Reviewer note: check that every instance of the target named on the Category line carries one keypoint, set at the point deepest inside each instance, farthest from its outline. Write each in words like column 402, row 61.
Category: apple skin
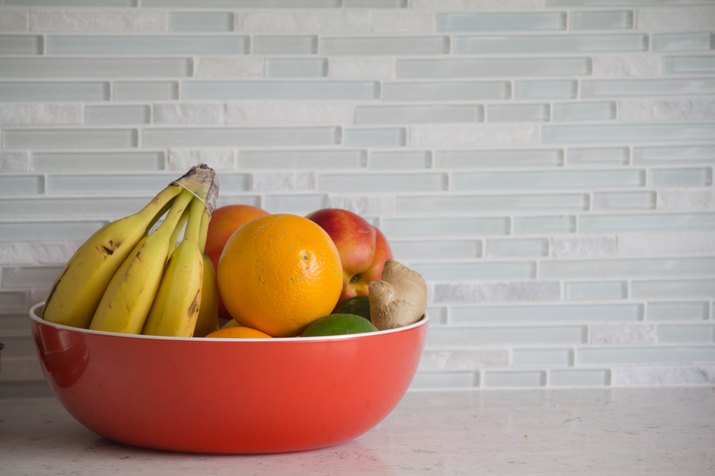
column 363, row 248
column 224, row 221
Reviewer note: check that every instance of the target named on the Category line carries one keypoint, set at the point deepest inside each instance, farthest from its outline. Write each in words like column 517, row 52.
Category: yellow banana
column 207, row 321
column 176, row 307
column 127, row 300
column 79, row 288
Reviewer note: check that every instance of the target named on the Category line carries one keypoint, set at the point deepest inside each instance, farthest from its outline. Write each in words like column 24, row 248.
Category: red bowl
column 228, row 395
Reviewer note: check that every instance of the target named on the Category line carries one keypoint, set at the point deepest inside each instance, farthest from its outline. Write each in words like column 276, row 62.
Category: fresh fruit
column 130, row 294
column 399, row 298
column 175, row 309
column 208, row 321
column 359, row 305
column 279, row 272
column 240, row 332
column 79, row 288
column 338, row 324
column 363, row 248
column 224, row 221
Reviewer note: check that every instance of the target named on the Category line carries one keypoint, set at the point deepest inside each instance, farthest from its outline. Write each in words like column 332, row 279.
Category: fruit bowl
column 228, row 395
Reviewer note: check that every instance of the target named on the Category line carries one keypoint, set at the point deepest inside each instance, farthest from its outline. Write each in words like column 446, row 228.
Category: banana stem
column 158, row 205
column 205, row 218
column 193, row 227
column 178, row 205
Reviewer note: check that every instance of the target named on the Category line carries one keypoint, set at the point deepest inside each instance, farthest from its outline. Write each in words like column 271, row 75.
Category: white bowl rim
column 35, row 317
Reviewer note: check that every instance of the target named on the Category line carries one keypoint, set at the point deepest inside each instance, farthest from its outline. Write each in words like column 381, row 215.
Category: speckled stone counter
column 610, row 432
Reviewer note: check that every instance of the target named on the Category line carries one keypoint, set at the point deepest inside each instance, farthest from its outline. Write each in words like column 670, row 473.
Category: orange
column 278, row 273
column 240, row 332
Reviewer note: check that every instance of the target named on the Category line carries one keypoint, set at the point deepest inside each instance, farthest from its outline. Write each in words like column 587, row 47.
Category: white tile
column 14, row 20
column 622, row 334
column 363, row 205
column 21, row 185
column 420, row 91
column 39, row 113
column 145, row 90
column 23, row 233
column 382, row 182
column 399, row 159
column 298, row 204
column 518, row 113
column 290, row 21
column 456, row 136
column 14, row 161
column 624, row 200
column 100, row 161
column 597, row 156
column 514, row 379
column 92, row 184
column 454, row 204
column 112, row 115
column 478, row 5
column 697, row 108
column 544, row 224
column 470, row 270
column 645, row 355
column 20, row 45
column 104, row 21
column 301, row 159
column 631, row 132
column 25, row 276
column 549, row 44
column 235, row 136
column 691, row 18
column 361, row 68
column 596, row 290
column 389, row 45
column 626, row 65
column 548, row 357
column 694, row 153
column 498, row 158
column 579, row 378
column 279, row 89
column 537, row 312
column 417, row 114
column 402, row 22
column 546, row 180
column 686, row 333
column 545, row 89
column 282, row 181
column 434, row 360
column 285, row 44
column 515, row 291
column 374, row 137
column 610, row 88
column 682, row 41
column 492, row 336
column 435, row 249
column 601, row 20
column 145, row 44
column 497, row 21
column 429, row 380
column 584, row 247
column 663, row 376
column 682, row 177
column 13, row 91
column 491, row 67
column 637, row 267
column 685, row 200
column 517, row 248
column 646, row 222
column 13, row 302
column 451, row 227
column 218, row 158
column 37, row 252
column 201, row 21
column 585, row 111
column 673, row 288
column 296, row 67
column 188, row 113
column 70, row 138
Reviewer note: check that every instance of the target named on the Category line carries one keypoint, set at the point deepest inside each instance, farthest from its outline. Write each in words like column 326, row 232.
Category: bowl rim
column 33, row 313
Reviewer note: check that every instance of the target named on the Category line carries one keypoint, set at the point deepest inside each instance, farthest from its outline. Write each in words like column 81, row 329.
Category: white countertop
column 612, row 432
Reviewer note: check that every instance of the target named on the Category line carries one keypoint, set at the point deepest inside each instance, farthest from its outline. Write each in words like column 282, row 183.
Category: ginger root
column 399, row 298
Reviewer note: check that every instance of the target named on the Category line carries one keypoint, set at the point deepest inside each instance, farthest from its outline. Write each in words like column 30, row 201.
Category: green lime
column 338, row 324
column 358, row 305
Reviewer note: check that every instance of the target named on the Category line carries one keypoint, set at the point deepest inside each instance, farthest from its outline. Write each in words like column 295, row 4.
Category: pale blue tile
column 602, row 20
column 545, row 224
column 375, row 3
column 297, row 204
column 399, row 159
column 545, row 89
column 508, row 335
column 21, row 185
column 683, row 41
column 651, row 355
column 285, row 45
column 466, row 159
column 20, row 45
column 546, row 313
column 381, row 182
column 383, row 137
column 677, row 311
column 541, row 180
column 689, row 64
column 226, row 137
column 145, row 90
column 610, row 88
column 445, row 90
column 303, row 67
column 624, row 200
column 91, row 184
column 73, row 3
column 445, row 380
column 434, row 227
column 492, row 202
column 138, row 45
column 116, row 115
column 130, row 161
column 25, row 277
column 242, row 3
column 467, row 270
column 580, row 378
column 93, row 67
column 492, row 67
column 518, row 113
column 550, row 43
column 280, row 89
column 627, row 133
column 599, row 290
column 693, row 177
column 108, row 206
column 517, row 247
column 638, row 267
column 682, row 333
column 53, row 91
column 672, row 155
column 673, row 288
column 201, row 21
column 492, row 21
column 48, row 229
column 301, row 159
column 417, row 114
column 13, row 301
column 438, row 249
column 542, row 357
column 626, row 3
column 646, row 222
column 402, row 45
column 585, row 111
column 598, row 156
column 514, row 379
column 70, row 138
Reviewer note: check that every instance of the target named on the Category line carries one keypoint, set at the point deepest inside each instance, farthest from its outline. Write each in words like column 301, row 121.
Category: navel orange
column 238, row 332
column 278, row 273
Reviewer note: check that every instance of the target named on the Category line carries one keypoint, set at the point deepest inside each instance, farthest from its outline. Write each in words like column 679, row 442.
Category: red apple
column 363, row 248
column 224, row 221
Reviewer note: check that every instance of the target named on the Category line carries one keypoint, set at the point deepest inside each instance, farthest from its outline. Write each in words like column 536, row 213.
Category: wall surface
column 547, row 165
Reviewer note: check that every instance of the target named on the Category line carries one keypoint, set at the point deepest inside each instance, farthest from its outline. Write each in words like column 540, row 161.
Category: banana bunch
column 137, row 278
